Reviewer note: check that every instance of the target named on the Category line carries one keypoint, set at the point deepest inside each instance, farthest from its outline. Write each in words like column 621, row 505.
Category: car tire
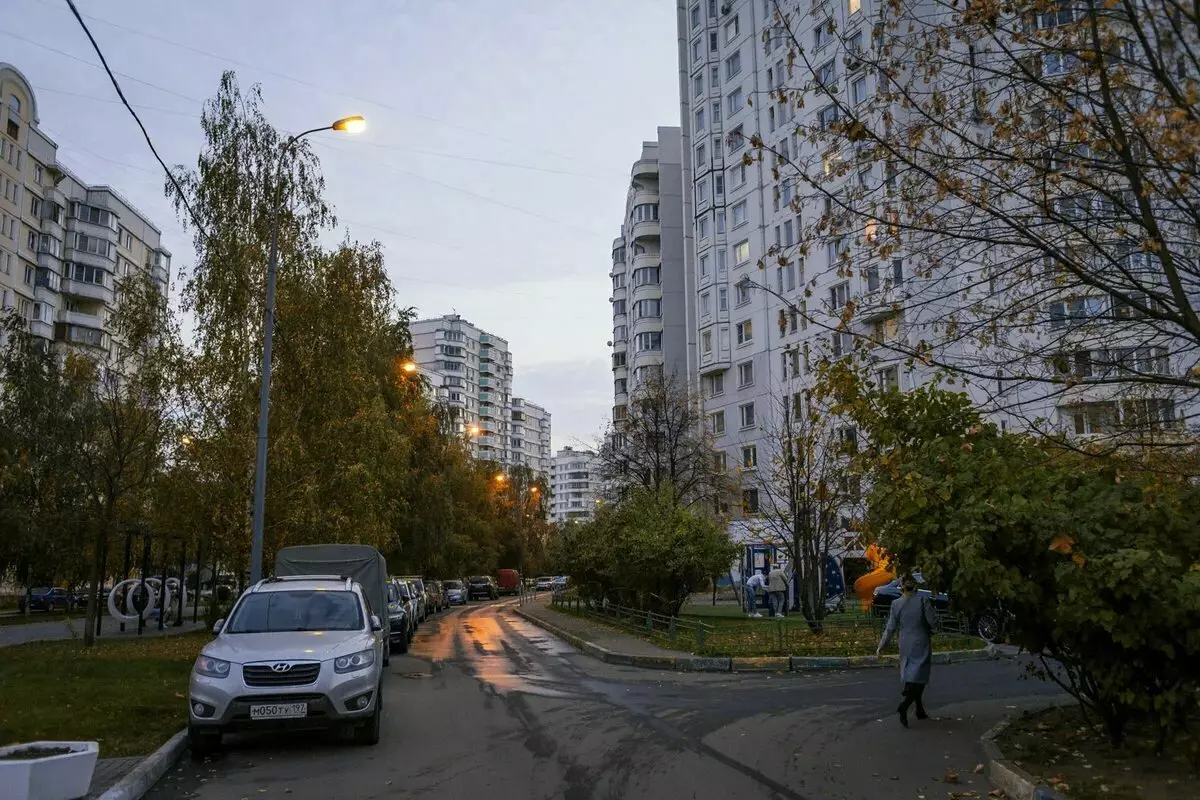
column 402, row 645
column 367, row 734
column 987, row 627
column 202, row 744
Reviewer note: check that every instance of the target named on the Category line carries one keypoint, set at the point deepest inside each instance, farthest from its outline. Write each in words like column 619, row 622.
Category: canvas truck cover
column 361, row 562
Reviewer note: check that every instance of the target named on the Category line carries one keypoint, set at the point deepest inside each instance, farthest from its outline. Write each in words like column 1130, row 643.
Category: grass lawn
column 38, row 616
column 127, row 694
column 730, row 633
column 1059, row 747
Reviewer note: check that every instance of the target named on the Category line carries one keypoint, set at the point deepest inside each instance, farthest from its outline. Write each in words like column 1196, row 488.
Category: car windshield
column 420, row 586
column 453, row 584
column 393, row 593
column 297, row 610
column 477, row 580
column 405, row 592
column 39, row 590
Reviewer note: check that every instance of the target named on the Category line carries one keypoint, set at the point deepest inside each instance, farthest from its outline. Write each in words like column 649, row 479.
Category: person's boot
column 902, row 710
column 921, row 712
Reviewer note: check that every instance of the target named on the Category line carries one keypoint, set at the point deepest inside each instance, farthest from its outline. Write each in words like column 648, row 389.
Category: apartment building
column 574, row 486
column 530, row 439
column 476, row 371
column 64, row 244
column 651, row 298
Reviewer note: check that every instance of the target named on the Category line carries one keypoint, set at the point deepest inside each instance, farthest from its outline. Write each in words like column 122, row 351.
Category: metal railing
column 677, row 631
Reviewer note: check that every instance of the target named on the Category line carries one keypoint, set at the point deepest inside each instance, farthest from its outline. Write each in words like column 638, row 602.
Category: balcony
column 85, row 337
column 160, row 274
column 644, row 195
column 644, row 168
column 90, row 259
column 81, row 318
column 91, row 291
column 881, row 302
column 646, row 229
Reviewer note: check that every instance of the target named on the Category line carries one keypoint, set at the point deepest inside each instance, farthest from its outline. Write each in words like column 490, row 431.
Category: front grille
column 264, row 675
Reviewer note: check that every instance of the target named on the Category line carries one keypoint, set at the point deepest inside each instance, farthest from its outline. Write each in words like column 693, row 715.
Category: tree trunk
column 95, row 584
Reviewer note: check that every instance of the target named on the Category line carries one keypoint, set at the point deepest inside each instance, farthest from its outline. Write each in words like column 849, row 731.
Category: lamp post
column 348, row 125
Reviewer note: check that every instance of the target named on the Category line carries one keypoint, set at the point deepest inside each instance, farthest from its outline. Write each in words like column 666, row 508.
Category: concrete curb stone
column 1016, row 783
column 141, row 778
column 690, row 663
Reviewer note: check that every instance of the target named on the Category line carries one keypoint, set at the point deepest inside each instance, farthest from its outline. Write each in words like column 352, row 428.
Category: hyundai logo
column 281, row 667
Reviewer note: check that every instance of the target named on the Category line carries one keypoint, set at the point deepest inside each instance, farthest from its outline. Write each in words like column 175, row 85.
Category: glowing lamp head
column 355, row 124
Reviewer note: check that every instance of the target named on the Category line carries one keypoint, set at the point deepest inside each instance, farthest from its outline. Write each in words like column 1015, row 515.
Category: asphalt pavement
column 488, row 705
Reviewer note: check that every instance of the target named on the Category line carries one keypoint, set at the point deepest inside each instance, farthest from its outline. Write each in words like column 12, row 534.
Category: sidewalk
column 611, row 640
column 73, row 629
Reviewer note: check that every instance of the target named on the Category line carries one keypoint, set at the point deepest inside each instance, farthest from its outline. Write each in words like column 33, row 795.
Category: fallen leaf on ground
column 950, row 777
column 978, row 769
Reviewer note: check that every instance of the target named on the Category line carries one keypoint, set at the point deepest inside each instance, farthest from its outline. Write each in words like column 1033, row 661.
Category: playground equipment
column 880, row 574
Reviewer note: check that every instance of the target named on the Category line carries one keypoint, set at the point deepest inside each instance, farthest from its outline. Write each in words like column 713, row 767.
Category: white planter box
column 64, row 777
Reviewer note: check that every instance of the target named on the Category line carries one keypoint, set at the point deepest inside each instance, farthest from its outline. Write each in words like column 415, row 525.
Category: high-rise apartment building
column 530, row 439
column 476, row 370
column 651, row 299
column 64, row 244
column 574, row 485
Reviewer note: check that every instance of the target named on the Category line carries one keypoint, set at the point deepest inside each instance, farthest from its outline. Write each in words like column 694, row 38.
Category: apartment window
column 771, row 118
column 826, row 117
column 733, row 65
column 618, row 360
column 749, row 501
column 741, row 293
column 720, row 464
column 739, row 213
column 647, row 309
column 620, row 333
column 822, row 33
column 702, row 225
column 833, row 251
column 14, row 130
column 619, row 281
column 712, row 9
column 704, row 259
column 785, row 278
column 620, row 386
column 1066, row 313
column 14, row 105
column 35, row 206
column 702, row 191
column 722, row 299
column 93, row 245
column 745, row 374
column 698, row 84
column 719, row 184
column 84, row 274
column 889, row 379
column 31, row 240
column 1094, row 417
column 734, row 101
column 745, row 332
column 722, row 263
column 716, row 111
column 706, row 342
column 696, row 19
column 700, row 119
column 855, row 6
column 649, row 341
column 746, row 415
column 827, row 74
column 841, row 344
column 716, row 384
column 618, row 308
column 712, row 42
column 858, row 90
column 732, row 29
column 716, row 422
column 741, row 252
column 736, row 139
column 701, row 156
column 92, row 215
column 697, row 51
column 645, row 212
column 647, row 276
column 897, row 271
column 749, row 456
column 706, row 304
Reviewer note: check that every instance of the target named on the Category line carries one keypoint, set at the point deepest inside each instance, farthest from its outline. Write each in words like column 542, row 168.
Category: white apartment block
column 651, row 301
column 64, row 244
column 574, row 486
column 476, row 371
column 530, row 440
column 752, row 351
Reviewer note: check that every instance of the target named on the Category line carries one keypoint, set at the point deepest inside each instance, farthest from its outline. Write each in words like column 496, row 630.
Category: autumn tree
column 661, row 444
column 1014, row 182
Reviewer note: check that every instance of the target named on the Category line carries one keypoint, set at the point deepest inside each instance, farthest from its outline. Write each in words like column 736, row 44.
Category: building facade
column 651, row 299
column 574, row 486
column 64, row 244
column 530, row 440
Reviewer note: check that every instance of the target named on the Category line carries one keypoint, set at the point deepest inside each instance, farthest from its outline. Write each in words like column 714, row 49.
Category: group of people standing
column 912, row 616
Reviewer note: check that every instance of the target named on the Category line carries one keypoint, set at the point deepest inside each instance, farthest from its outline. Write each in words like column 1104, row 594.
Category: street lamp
column 409, row 367
column 353, row 124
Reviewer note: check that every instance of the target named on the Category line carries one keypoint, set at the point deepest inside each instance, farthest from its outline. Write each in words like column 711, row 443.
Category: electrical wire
column 145, row 133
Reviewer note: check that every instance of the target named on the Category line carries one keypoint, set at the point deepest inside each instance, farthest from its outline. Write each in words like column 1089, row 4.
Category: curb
column 1016, row 783
column 141, row 778
column 690, row 663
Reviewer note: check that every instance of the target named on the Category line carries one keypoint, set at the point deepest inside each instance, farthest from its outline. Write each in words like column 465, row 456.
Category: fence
column 843, row 633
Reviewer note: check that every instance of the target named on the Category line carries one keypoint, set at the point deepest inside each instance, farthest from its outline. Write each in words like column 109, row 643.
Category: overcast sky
column 493, row 170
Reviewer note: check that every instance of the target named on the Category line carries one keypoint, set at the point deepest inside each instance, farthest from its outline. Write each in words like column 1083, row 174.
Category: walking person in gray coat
column 911, row 615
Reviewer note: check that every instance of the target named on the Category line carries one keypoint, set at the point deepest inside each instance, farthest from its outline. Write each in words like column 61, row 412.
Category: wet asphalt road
column 486, row 705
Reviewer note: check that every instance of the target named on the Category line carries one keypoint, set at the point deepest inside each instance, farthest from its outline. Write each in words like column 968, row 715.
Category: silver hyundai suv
column 296, row 652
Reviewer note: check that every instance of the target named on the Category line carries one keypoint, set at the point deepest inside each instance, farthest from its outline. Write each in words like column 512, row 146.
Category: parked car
column 543, row 584
column 988, row 624
column 301, row 651
column 400, row 617
column 45, row 598
column 481, row 587
column 423, row 610
column 508, row 581
column 437, row 599
column 408, row 593
column 560, row 583
column 79, row 597
column 456, row 592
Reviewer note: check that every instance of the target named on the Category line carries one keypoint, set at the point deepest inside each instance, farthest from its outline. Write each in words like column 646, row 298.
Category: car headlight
column 352, row 663
column 211, row 667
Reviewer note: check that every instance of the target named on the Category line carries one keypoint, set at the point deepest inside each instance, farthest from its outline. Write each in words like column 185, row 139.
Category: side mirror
column 217, row 626
column 376, row 625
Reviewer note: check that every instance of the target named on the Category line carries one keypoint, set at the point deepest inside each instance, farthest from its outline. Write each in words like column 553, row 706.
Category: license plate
column 279, row 711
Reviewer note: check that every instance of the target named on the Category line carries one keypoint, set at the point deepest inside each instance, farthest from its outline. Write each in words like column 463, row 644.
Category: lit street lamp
column 353, row 124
